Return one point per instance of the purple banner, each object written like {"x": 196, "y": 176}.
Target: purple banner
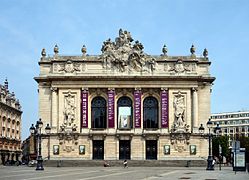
{"x": 137, "y": 105}
{"x": 165, "y": 109}
{"x": 111, "y": 100}
{"x": 84, "y": 109}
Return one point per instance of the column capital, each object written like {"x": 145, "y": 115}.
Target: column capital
{"x": 111, "y": 89}
{"x": 53, "y": 89}
{"x": 84, "y": 88}
{"x": 164, "y": 89}
{"x": 194, "y": 89}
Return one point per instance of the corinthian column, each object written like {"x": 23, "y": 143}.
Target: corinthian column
{"x": 195, "y": 109}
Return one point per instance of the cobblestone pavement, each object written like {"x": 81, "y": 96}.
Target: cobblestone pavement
{"x": 118, "y": 173}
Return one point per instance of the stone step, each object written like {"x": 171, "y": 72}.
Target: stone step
{"x": 131, "y": 163}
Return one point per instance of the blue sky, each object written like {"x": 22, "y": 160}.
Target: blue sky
{"x": 221, "y": 26}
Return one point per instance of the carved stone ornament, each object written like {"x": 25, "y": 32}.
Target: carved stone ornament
{"x": 180, "y": 140}
{"x": 123, "y": 55}
{"x": 68, "y": 135}
{"x": 179, "y": 67}
{"x": 179, "y": 124}
{"x": 179, "y": 134}
{"x": 68, "y": 67}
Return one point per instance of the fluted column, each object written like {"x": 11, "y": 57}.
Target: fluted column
{"x": 195, "y": 108}
{"x": 54, "y": 107}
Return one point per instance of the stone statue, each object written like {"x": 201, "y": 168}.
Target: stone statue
{"x": 179, "y": 111}
{"x": 69, "y": 112}
{"x": 124, "y": 38}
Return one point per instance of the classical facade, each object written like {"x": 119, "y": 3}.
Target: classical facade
{"x": 124, "y": 103}
{"x": 10, "y": 125}
{"x": 233, "y": 124}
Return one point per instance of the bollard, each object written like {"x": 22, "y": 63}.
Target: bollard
{"x": 188, "y": 163}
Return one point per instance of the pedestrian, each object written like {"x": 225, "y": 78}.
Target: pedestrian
{"x": 106, "y": 164}
{"x": 213, "y": 162}
{"x": 125, "y": 163}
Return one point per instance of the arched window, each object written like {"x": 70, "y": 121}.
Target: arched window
{"x": 125, "y": 113}
{"x": 98, "y": 112}
{"x": 150, "y": 112}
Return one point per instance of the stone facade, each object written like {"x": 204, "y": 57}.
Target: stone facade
{"x": 10, "y": 125}
{"x": 124, "y": 103}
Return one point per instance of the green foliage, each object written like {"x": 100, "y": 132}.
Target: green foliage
{"x": 223, "y": 141}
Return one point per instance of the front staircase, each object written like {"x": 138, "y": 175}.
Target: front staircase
{"x": 131, "y": 163}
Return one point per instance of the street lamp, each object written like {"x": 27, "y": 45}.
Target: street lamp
{"x": 217, "y": 131}
{"x": 48, "y": 130}
{"x": 210, "y": 157}
{"x": 36, "y": 131}
{"x": 210, "y": 166}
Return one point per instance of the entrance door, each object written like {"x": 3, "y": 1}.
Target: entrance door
{"x": 124, "y": 149}
{"x": 98, "y": 149}
{"x": 151, "y": 149}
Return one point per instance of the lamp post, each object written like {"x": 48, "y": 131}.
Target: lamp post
{"x": 217, "y": 131}
{"x": 48, "y": 130}
{"x": 210, "y": 166}
{"x": 210, "y": 157}
{"x": 36, "y": 131}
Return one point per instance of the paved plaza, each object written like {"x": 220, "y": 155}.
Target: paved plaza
{"x": 118, "y": 173}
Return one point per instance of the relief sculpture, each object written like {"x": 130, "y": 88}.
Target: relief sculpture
{"x": 179, "y": 110}
{"x": 179, "y": 124}
{"x": 69, "y": 111}
{"x": 180, "y": 134}
{"x": 68, "y": 135}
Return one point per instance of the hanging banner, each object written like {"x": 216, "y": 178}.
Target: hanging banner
{"x": 84, "y": 109}
{"x": 164, "y": 109}
{"x": 137, "y": 107}
{"x": 111, "y": 114}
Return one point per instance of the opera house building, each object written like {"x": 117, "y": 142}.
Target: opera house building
{"x": 124, "y": 103}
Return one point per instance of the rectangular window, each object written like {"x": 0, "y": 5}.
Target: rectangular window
{"x": 166, "y": 149}
{"x": 124, "y": 117}
{"x": 192, "y": 149}
{"x": 82, "y": 149}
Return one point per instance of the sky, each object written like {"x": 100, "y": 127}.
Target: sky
{"x": 221, "y": 26}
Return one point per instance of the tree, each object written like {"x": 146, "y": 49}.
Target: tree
{"x": 222, "y": 141}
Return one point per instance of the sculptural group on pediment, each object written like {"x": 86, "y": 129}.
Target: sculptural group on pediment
{"x": 123, "y": 55}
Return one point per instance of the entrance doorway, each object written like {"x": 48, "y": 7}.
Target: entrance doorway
{"x": 151, "y": 149}
{"x": 98, "y": 149}
{"x": 124, "y": 149}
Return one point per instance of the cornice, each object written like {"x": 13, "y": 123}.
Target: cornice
{"x": 124, "y": 78}
{"x": 10, "y": 107}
